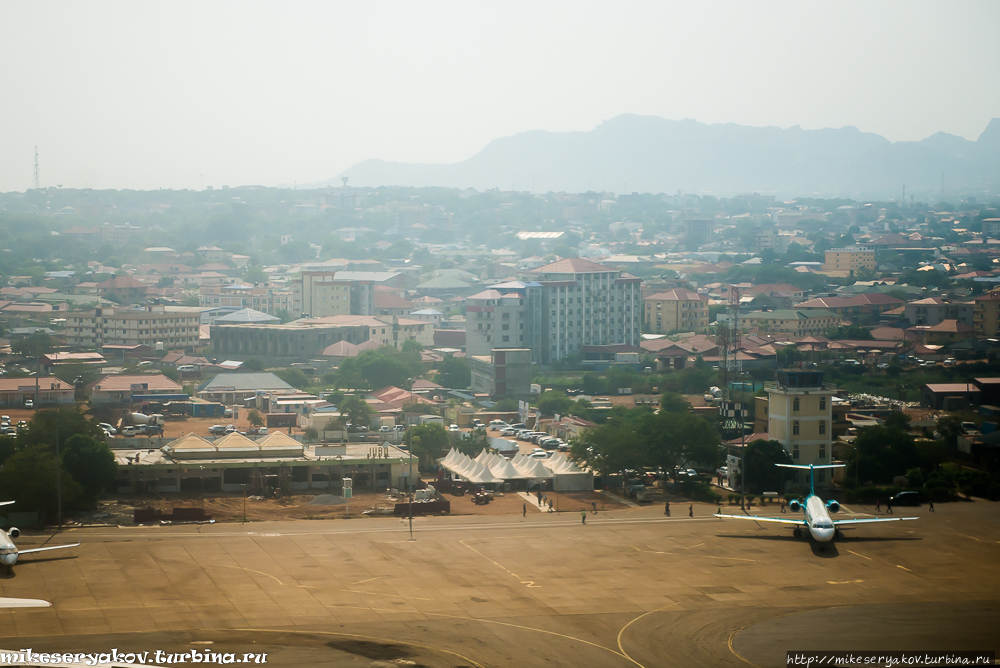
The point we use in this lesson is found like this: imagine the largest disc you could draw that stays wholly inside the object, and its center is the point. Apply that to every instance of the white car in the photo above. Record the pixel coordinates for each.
(539, 454)
(108, 428)
(453, 427)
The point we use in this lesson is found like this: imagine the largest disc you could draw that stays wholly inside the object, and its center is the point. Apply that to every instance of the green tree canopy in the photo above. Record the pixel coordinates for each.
(33, 345)
(91, 463)
(761, 473)
(373, 369)
(29, 479)
(294, 377)
(428, 442)
(355, 410)
(455, 372)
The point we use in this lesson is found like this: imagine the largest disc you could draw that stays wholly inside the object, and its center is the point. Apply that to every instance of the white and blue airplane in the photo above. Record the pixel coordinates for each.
(816, 514)
(9, 551)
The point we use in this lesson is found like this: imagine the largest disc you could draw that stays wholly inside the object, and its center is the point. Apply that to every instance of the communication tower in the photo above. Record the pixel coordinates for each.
(37, 186)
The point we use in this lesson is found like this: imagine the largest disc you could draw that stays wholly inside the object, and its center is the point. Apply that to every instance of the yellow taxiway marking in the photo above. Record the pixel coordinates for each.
(966, 536)
(526, 583)
(709, 556)
(845, 582)
(368, 580)
(904, 568)
(857, 555)
(733, 649)
(622, 631)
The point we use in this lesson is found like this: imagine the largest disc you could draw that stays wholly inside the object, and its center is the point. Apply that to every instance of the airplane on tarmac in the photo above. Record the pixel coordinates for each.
(817, 514)
(9, 551)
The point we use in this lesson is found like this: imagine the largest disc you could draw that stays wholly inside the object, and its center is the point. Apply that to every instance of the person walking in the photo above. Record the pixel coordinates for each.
(550, 505)
(691, 510)
(583, 517)
(888, 506)
(931, 507)
(878, 506)
(524, 510)
(593, 505)
(666, 509)
(782, 506)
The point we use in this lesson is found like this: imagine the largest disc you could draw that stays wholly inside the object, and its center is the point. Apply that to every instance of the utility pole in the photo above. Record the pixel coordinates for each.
(409, 451)
(37, 186)
(58, 475)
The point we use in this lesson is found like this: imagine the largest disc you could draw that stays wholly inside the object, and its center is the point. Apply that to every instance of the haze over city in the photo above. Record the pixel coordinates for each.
(185, 95)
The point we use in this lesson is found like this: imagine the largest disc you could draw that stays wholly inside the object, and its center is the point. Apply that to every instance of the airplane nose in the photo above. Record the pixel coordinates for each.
(824, 535)
(8, 559)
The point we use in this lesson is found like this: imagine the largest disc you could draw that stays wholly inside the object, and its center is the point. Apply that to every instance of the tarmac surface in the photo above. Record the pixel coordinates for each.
(630, 588)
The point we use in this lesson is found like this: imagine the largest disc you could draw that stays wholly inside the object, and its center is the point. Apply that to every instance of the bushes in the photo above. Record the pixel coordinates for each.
(700, 491)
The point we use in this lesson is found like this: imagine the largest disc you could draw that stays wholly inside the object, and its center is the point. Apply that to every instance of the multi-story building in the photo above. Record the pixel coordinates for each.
(585, 304)
(933, 310)
(326, 293)
(791, 321)
(697, 232)
(849, 259)
(119, 235)
(986, 316)
(505, 372)
(800, 415)
(239, 296)
(867, 303)
(147, 326)
(499, 318)
(676, 310)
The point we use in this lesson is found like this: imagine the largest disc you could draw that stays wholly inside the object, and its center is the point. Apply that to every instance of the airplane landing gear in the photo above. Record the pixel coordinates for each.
(797, 533)
(839, 534)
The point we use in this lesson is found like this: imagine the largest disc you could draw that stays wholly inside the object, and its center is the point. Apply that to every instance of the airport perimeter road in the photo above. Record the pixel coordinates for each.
(631, 588)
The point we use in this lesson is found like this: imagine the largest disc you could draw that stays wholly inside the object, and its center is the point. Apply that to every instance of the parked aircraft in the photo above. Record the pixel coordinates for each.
(816, 514)
(9, 552)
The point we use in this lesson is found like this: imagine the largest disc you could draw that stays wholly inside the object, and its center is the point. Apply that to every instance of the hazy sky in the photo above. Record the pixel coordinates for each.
(185, 95)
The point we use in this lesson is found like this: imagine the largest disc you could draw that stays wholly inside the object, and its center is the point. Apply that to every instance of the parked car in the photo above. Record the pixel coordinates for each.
(399, 427)
(905, 499)
(539, 454)
(951, 361)
(385, 428)
(184, 368)
(217, 429)
(106, 427)
(145, 363)
(453, 427)
(151, 429)
(128, 431)
(509, 431)
(29, 403)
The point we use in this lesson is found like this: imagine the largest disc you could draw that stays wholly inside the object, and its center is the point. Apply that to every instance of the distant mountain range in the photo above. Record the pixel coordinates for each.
(652, 154)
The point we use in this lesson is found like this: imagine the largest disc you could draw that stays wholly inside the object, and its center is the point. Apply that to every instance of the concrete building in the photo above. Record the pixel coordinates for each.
(235, 462)
(500, 318)
(849, 259)
(866, 303)
(237, 296)
(791, 321)
(133, 389)
(933, 310)
(584, 303)
(235, 388)
(50, 391)
(697, 232)
(505, 372)
(306, 338)
(147, 326)
(676, 310)
(799, 416)
(986, 314)
(320, 294)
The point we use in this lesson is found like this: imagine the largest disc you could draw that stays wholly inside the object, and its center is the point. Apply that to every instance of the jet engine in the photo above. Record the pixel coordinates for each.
(832, 506)
(794, 505)
(14, 532)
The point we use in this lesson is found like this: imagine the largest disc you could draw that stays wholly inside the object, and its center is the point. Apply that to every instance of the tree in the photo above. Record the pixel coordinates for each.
(428, 442)
(506, 405)
(354, 410)
(255, 418)
(950, 428)
(671, 402)
(33, 345)
(294, 377)
(67, 422)
(759, 467)
(455, 372)
(29, 479)
(255, 275)
(678, 438)
(252, 364)
(379, 368)
(91, 463)
(550, 403)
(883, 453)
(898, 420)
(412, 346)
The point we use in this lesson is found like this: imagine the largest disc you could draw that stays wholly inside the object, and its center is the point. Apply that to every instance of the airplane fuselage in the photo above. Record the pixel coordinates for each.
(821, 527)
(8, 551)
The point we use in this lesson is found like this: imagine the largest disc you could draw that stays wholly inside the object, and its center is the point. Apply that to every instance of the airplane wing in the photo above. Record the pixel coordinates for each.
(24, 603)
(50, 547)
(6, 503)
(755, 518)
(873, 519)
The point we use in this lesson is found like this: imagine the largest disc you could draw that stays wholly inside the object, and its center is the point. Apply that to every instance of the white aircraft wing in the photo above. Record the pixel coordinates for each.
(873, 519)
(6, 503)
(755, 518)
(24, 603)
(50, 547)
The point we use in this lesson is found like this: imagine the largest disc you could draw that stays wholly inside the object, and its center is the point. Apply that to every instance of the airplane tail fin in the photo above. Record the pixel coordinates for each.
(811, 467)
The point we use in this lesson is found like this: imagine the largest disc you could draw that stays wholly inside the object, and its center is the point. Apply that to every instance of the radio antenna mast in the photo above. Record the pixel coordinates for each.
(37, 186)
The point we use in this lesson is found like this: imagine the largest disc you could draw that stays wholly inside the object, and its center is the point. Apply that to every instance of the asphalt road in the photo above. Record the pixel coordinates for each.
(631, 588)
